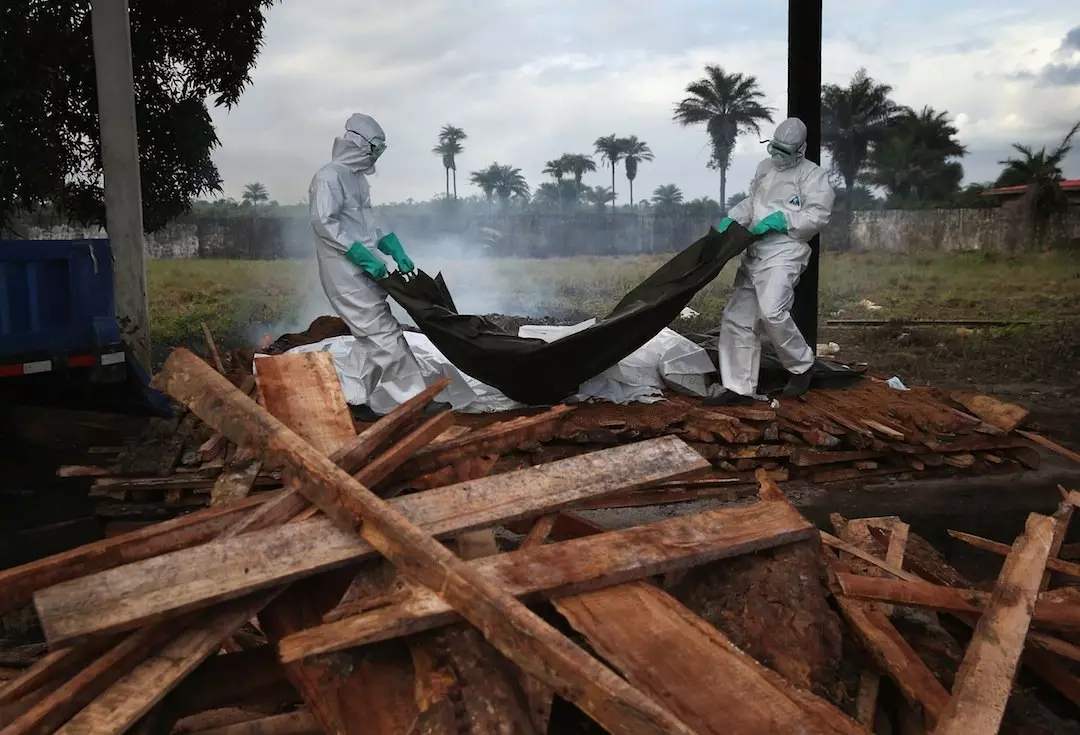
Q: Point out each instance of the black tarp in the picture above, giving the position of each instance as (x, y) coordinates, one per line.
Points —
(536, 372)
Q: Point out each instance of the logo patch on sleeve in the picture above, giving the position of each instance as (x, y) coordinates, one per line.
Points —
(795, 201)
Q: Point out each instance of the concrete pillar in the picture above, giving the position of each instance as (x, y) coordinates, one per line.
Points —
(120, 156)
(804, 102)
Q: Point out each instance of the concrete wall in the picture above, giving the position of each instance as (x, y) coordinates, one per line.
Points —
(1000, 229)
(548, 235)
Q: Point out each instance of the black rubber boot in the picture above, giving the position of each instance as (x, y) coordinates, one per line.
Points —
(798, 384)
(731, 398)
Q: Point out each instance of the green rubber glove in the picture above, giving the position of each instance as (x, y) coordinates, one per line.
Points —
(391, 245)
(775, 222)
(364, 258)
(724, 224)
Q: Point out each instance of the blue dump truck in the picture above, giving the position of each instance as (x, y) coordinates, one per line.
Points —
(60, 343)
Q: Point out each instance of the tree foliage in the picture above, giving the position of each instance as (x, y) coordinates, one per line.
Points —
(183, 53)
(448, 149)
(915, 161)
(853, 119)
(1041, 172)
(728, 104)
(634, 151)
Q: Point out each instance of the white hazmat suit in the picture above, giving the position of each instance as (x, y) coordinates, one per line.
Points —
(765, 283)
(341, 216)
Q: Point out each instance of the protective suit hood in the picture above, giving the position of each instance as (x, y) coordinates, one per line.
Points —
(788, 145)
(361, 145)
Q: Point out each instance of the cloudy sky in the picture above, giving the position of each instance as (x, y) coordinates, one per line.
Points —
(531, 79)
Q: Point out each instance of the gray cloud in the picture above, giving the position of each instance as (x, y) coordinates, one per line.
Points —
(530, 79)
(1072, 40)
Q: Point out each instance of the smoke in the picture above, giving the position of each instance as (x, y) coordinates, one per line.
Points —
(480, 284)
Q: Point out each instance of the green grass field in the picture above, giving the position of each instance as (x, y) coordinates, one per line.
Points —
(240, 299)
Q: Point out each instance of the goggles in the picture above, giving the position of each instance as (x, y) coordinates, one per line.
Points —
(376, 146)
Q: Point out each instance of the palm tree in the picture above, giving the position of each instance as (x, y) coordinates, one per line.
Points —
(556, 169)
(728, 105)
(1041, 172)
(449, 148)
(853, 118)
(913, 161)
(634, 152)
(548, 196)
(446, 150)
(599, 196)
(501, 181)
(610, 149)
(705, 208)
(255, 194)
(667, 197)
(578, 164)
(735, 199)
(487, 180)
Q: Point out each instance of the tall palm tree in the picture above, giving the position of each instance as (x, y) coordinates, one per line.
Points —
(556, 168)
(728, 105)
(449, 148)
(634, 152)
(1041, 172)
(254, 194)
(667, 197)
(610, 149)
(599, 196)
(853, 118)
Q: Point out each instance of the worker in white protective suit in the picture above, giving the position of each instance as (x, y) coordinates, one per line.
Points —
(790, 200)
(353, 257)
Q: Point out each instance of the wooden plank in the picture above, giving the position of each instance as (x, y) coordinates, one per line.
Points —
(304, 393)
(211, 346)
(855, 551)
(18, 584)
(56, 708)
(984, 681)
(300, 722)
(237, 479)
(1057, 565)
(498, 438)
(1051, 445)
(384, 465)
(669, 652)
(141, 690)
(54, 667)
(133, 693)
(568, 567)
(896, 657)
(377, 437)
(127, 597)
(516, 632)
(870, 680)
(1005, 416)
(927, 595)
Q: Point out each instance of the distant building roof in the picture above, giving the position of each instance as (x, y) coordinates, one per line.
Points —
(1066, 185)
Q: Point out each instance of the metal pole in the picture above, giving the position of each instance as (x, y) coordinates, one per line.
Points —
(120, 159)
(804, 102)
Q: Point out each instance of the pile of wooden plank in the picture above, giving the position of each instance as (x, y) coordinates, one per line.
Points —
(886, 576)
(395, 583)
(867, 429)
